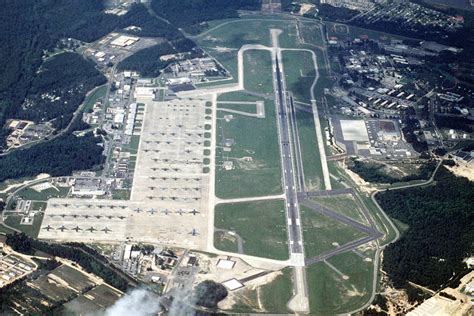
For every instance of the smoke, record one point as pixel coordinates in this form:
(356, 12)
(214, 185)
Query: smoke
(183, 299)
(138, 302)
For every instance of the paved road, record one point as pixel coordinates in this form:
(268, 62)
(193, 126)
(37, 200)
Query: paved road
(294, 228)
(344, 248)
(341, 218)
(297, 146)
(303, 195)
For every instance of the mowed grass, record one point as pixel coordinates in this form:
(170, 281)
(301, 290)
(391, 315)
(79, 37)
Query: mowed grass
(92, 98)
(272, 297)
(261, 225)
(30, 230)
(255, 153)
(258, 72)
(342, 204)
(30, 194)
(330, 294)
(276, 294)
(255, 156)
(321, 233)
(299, 74)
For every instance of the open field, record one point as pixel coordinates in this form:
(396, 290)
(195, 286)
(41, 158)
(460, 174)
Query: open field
(30, 194)
(74, 278)
(380, 221)
(261, 225)
(258, 72)
(254, 152)
(351, 32)
(342, 204)
(299, 74)
(31, 230)
(321, 233)
(272, 297)
(276, 295)
(335, 292)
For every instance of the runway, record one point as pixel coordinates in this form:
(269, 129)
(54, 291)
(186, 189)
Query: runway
(289, 183)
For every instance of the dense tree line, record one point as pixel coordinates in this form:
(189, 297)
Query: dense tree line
(66, 79)
(24, 244)
(147, 61)
(440, 234)
(57, 157)
(189, 14)
(376, 173)
(454, 122)
(150, 26)
(329, 12)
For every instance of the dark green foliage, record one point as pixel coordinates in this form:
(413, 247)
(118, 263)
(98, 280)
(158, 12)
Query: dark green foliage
(48, 264)
(329, 12)
(20, 242)
(209, 293)
(415, 294)
(90, 263)
(454, 122)
(449, 162)
(69, 77)
(147, 61)
(150, 26)
(188, 14)
(440, 151)
(441, 233)
(58, 157)
(375, 173)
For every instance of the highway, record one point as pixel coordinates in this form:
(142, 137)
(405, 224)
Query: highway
(289, 183)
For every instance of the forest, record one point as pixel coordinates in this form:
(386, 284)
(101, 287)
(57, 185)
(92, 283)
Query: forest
(58, 157)
(188, 14)
(66, 79)
(440, 234)
(147, 61)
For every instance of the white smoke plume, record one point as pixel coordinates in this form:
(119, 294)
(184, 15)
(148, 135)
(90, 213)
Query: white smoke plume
(139, 302)
(183, 299)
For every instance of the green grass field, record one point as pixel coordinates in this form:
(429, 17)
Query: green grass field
(342, 204)
(269, 298)
(276, 295)
(330, 294)
(261, 225)
(30, 194)
(253, 137)
(321, 233)
(31, 230)
(92, 98)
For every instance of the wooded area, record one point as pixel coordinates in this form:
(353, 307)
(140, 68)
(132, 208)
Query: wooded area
(440, 234)
(188, 14)
(58, 157)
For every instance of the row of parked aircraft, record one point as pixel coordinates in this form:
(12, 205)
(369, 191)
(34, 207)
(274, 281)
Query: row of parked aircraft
(153, 211)
(89, 205)
(87, 216)
(77, 229)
